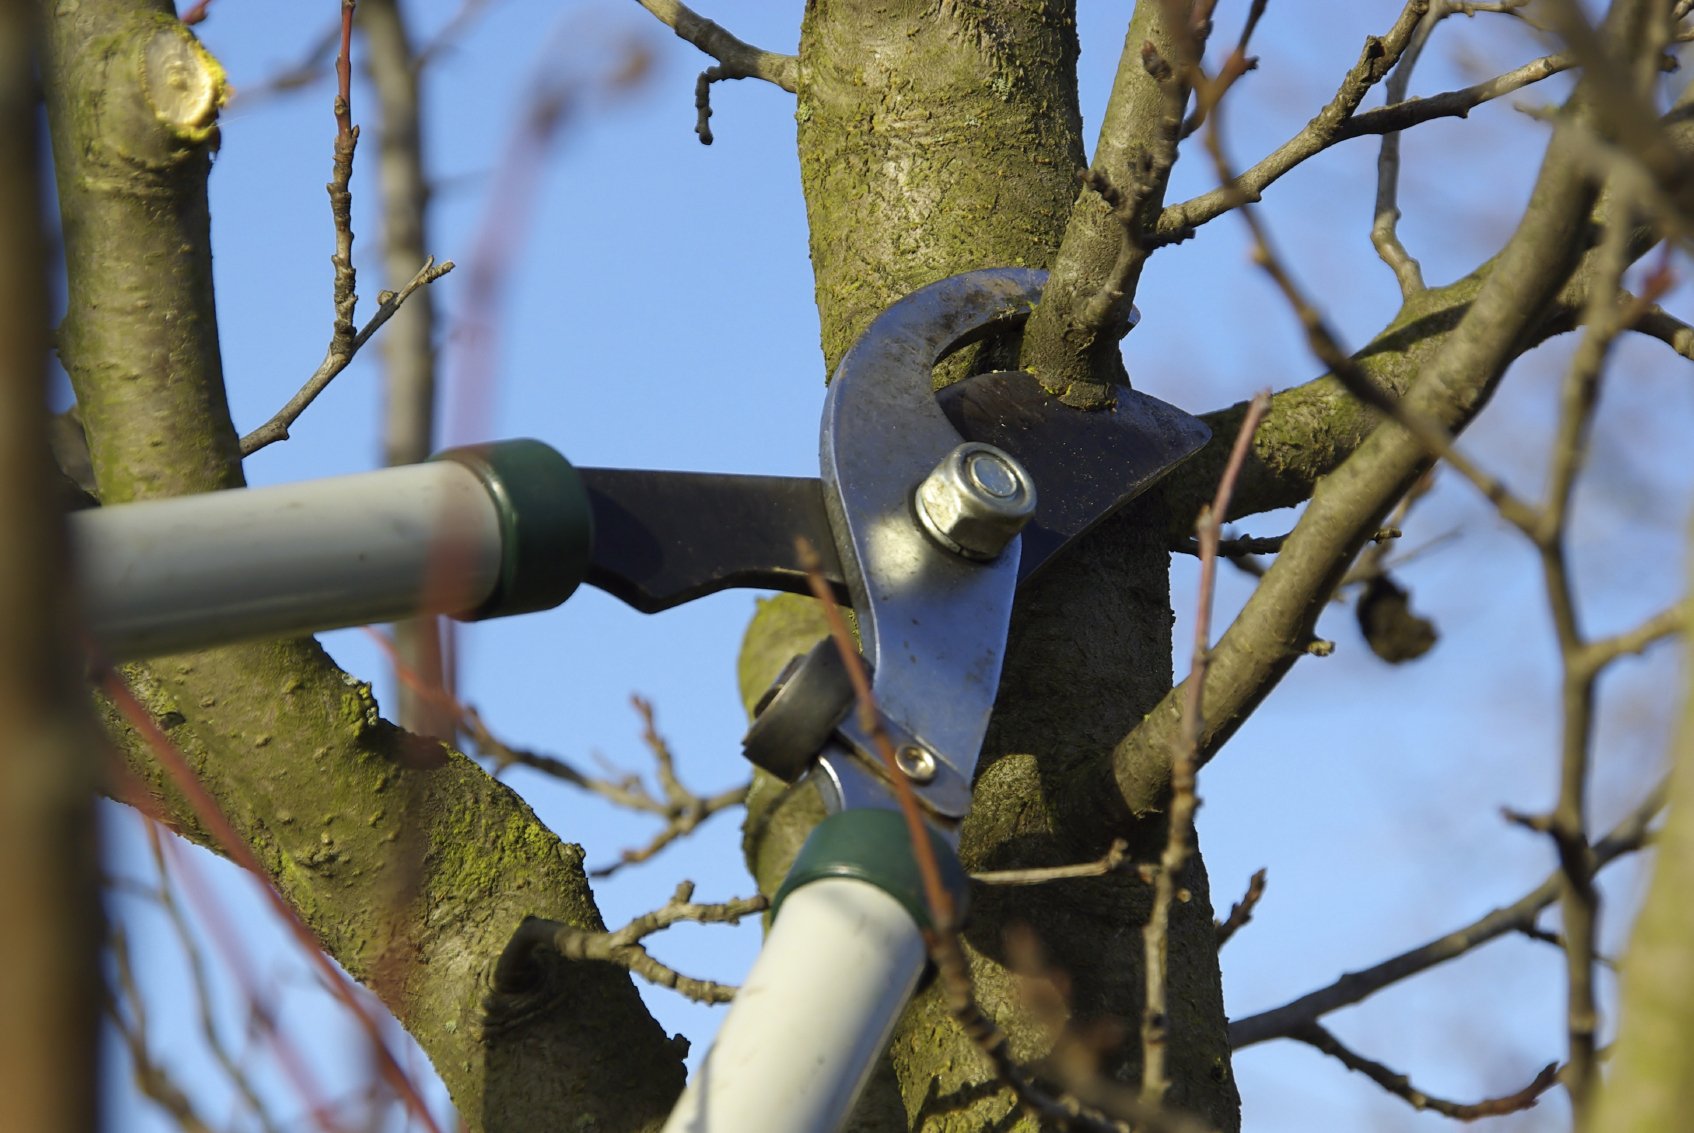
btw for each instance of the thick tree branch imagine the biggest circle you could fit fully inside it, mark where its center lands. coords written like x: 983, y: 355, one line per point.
x: 1350, y: 503
x: 1071, y: 340
x: 736, y: 59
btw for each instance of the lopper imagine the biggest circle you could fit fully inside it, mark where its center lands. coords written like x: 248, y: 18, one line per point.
x: 931, y: 510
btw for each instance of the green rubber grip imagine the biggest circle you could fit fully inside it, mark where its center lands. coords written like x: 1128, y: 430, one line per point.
x: 874, y: 846
x: 546, y: 523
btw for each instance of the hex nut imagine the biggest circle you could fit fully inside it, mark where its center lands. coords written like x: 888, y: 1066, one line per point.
x: 975, y: 501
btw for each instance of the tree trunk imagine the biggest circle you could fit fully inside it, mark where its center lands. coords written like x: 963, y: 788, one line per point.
x: 933, y: 142
x: 50, y: 919
x: 410, y: 864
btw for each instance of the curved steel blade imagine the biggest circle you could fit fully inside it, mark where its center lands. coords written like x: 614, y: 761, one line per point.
x: 933, y: 624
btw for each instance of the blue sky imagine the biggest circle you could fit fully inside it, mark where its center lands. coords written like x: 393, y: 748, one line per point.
x: 657, y: 313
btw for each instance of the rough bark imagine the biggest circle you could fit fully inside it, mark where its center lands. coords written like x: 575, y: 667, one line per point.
x: 50, y: 919
x: 410, y: 863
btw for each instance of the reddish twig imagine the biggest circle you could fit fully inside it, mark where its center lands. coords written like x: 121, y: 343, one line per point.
x: 218, y: 825
x: 940, y: 902
x: 1241, y: 912
x: 1185, y: 763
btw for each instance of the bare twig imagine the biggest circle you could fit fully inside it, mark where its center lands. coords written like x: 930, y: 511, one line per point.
x: 340, y: 191
x: 1656, y: 322
x: 345, y: 339
x: 1384, y: 234
x: 276, y: 429
x: 1327, y: 349
x: 1600, y: 652
x: 1241, y: 913
x: 1401, y: 1087
x: 515, y: 970
x: 1378, y: 57
x: 1208, y: 91
x: 129, y: 1019
x: 1113, y: 860
x: 1179, y: 835
x: 1626, y: 838
x: 736, y: 59
x: 191, y: 953
x: 942, y: 912
x: 1567, y: 826
x: 197, y: 13
x: 683, y: 811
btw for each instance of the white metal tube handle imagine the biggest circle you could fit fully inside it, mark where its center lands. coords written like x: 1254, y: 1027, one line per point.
x: 496, y: 529
x: 814, y: 1014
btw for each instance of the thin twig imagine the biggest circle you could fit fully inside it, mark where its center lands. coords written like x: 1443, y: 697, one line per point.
x: 942, y: 912
x: 1567, y: 825
x: 1403, y: 115
x: 191, y: 953
x: 1656, y: 322
x: 1314, y: 1035
x: 1209, y: 91
x: 1384, y: 233
x: 345, y: 338
x: 1375, y: 60
x: 1241, y: 913
x: 197, y: 13
x: 130, y: 1021
x: 515, y: 971
x: 1179, y: 834
x: 340, y: 190
x: 218, y: 825
x: 1628, y: 836
x: 1110, y: 862
x: 683, y: 811
x: 1600, y: 652
x: 736, y: 59
x: 276, y: 429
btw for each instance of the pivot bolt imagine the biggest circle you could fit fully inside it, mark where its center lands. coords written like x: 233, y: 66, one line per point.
x: 915, y: 763
x: 975, y: 502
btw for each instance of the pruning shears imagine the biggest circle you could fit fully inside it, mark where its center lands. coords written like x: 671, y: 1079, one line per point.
x: 930, y: 512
